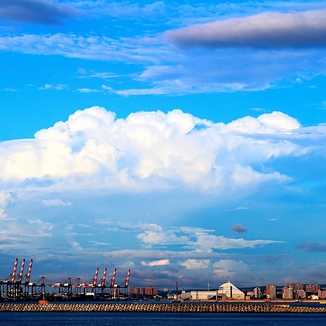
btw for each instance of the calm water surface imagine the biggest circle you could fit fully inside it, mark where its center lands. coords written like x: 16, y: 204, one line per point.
x: 159, y: 319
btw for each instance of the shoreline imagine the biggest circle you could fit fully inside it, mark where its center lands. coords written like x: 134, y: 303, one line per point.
x: 164, y: 307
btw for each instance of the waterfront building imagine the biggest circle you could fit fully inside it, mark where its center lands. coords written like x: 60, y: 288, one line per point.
x: 203, y: 295
x: 300, y: 294
x: 271, y: 291
x: 250, y: 294
x: 225, y: 291
x: 257, y: 293
x: 322, y: 294
x: 287, y: 292
x: 312, y: 288
x: 297, y: 289
x: 151, y: 291
x: 295, y: 286
x: 229, y: 290
x: 133, y: 290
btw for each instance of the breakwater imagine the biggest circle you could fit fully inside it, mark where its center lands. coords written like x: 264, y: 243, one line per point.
x: 151, y: 307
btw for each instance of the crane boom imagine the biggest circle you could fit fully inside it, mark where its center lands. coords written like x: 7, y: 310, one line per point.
x: 127, y: 279
x: 103, y: 278
x: 29, y: 272
x: 13, y: 274
x: 95, y: 277
x: 21, y: 272
x: 113, y: 278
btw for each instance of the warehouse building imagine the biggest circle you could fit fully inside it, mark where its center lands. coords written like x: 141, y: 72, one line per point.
x: 225, y: 291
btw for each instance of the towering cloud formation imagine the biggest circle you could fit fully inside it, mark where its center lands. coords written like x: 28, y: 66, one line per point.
x: 148, y: 150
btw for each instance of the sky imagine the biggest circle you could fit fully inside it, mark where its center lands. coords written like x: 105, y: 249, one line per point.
x: 185, y: 140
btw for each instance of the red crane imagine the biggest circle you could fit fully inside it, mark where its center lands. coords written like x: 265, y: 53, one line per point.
x: 95, y: 278
x: 103, y: 278
x: 29, y: 271
x: 13, y: 274
x: 21, y: 272
x: 113, y: 278
x: 127, y: 279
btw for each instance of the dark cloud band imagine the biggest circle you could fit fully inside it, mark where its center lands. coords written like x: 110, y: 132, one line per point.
x: 35, y: 11
x: 266, y: 30
x: 312, y: 246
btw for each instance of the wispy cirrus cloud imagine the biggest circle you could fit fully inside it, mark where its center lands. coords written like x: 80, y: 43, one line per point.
x: 87, y: 90
x: 71, y: 45
x: 209, y: 242
x: 57, y: 87
x: 183, y: 13
x: 130, y: 9
x: 85, y: 74
x: 56, y: 202
x: 197, y: 239
x: 167, y: 69
x: 240, y: 208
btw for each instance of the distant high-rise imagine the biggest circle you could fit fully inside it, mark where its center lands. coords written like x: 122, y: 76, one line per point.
x: 151, y: 291
x: 300, y: 294
x: 322, y: 294
x: 257, y: 293
x: 271, y: 291
x: 295, y: 286
x: 287, y: 292
x: 312, y: 288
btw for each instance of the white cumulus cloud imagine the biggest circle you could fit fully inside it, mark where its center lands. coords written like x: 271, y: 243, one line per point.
x: 195, y: 263
x: 227, y: 268
x: 5, y: 198
x: 161, y: 262
x: 199, y: 240
x: 150, y: 150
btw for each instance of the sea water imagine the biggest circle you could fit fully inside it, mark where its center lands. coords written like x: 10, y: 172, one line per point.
x: 159, y: 319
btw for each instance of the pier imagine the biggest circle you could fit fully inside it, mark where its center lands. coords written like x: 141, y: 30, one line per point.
x: 165, y: 307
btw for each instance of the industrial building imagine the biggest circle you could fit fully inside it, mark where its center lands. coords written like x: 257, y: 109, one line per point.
x: 225, y: 291
x: 230, y: 291
x: 203, y: 295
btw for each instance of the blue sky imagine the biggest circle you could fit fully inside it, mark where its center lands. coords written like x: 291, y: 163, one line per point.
x: 182, y: 140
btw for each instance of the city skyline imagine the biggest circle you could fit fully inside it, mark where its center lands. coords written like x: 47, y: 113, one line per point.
x: 106, y: 283
x: 184, y: 141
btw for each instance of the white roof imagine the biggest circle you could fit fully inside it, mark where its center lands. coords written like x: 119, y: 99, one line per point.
x: 227, y: 285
